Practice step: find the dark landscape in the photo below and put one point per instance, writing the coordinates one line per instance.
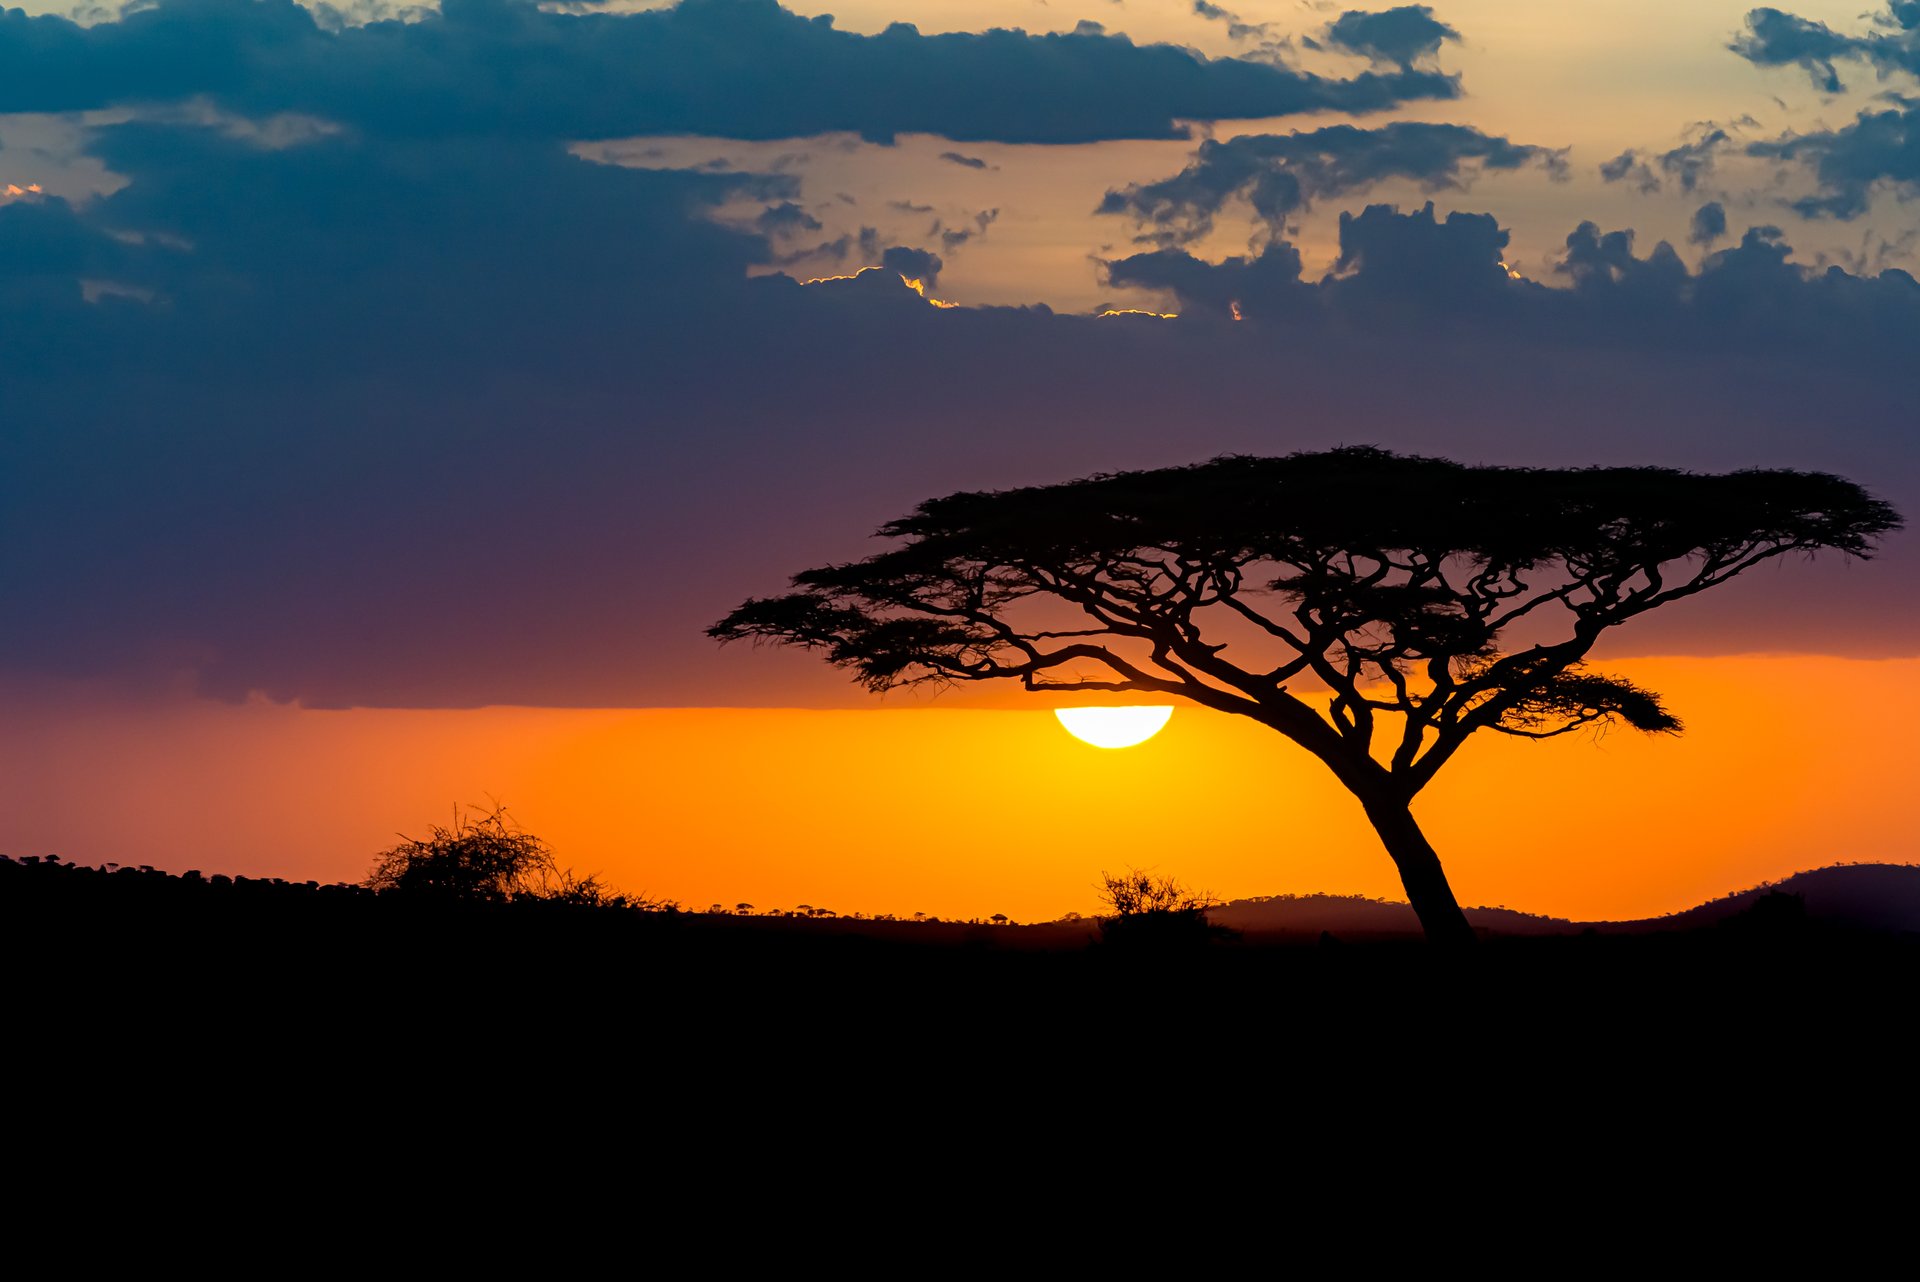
(1324, 1025)
(125, 930)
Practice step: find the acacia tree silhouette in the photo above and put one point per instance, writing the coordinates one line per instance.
(1387, 581)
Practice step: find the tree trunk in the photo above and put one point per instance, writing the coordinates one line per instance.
(1420, 872)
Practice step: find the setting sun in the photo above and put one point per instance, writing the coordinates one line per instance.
(1113, 727)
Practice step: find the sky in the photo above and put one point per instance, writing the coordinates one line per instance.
(413, 386)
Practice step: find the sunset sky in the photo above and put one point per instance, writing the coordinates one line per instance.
(391, 396)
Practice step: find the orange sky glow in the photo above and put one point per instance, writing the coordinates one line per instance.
(1786, 764)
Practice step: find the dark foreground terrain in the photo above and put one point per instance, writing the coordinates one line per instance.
(948, 1084)
(1819, 960)
(934, 1081)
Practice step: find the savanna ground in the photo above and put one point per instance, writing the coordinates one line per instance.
(751, 1083)
(237, 957)
(935, 1083)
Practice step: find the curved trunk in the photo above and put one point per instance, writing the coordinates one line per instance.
(1420, 872)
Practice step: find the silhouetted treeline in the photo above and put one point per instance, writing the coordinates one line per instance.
(118, 975)
(144, 917)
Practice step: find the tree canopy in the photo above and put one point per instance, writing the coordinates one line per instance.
(1375, 608)
(1395, 577)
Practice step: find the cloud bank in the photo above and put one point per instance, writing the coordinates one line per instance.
(1881, 147)
(1280, 176)
(729, 68)
(404, 408)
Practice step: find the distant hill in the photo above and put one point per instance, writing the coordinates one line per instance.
(1356, 917)
(1881, 897)
(1854, 896)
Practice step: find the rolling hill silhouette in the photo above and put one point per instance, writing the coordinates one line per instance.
(1879, 897)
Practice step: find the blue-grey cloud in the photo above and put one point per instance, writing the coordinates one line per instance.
(913, 264)
(1629, 166)
(952, 238)
(47, 252)
(1400, 36)
(1880, 148)
(786, 219)
(1708, 225)
(1282, 175)
(1417, 269)
(371, 416)
(733, 68)
(1686, 166)
(965, 162)
(1691, 162)
(1777, 39)
(1264, 284)
(384, 438)
(1238, 28)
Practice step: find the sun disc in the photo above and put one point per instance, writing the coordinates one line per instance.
(1113, 727)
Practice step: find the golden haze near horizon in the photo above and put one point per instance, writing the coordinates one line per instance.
(964, 812)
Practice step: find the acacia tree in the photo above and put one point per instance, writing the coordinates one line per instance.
(1374, 608)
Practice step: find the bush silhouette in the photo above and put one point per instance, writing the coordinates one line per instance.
(1155, 913)
(486, 858)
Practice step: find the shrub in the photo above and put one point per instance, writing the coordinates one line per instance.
(1156, 912)
(486, 857)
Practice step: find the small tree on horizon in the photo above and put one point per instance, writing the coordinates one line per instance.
(1135, 892)
(485, 856)
(1386, 584)
(1155, 911)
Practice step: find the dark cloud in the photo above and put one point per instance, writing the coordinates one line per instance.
(1238, 28)
(1262, 285)
(373, 417)
(1686, 165)
(1400, 36)
(965, 162)
(47, 252)
(731, 68)
(1282, 175)
(1708, 225)
(865, 245)
(385, 439)
(1412, 271)
(1459, 260)
(1777, 39)
(913, 264)
(952, 238)
(1628, 166)
(1692, 161)
(1879, 148)
(786, 219)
